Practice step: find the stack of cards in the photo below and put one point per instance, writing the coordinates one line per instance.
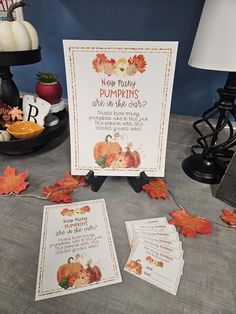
(156, 253)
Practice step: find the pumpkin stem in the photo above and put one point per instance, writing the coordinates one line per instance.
(128, 147)
(107, 138)
(69, 260)
(12, 7)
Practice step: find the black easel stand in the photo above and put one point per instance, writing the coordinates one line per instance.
(95, 182)
(138, 182)
(135, 182)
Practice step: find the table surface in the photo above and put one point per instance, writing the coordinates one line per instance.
(209, 277)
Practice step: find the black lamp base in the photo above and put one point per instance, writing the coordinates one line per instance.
(212, 152)
(205, 171)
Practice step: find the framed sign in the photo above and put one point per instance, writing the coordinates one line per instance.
(119, 96)
(4, 5)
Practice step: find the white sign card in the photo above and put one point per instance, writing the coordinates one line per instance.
(77, 252)
(4, 5)
(119, 96)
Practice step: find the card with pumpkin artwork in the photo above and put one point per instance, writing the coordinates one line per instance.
(155, 267)
(119, 96)
(77, 252)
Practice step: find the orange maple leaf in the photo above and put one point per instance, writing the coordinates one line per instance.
(190, 225)
(229, 216)
(12, 182)
(57, 193)
(16, 114)
(156, 189)
(72, 181)
(62, 189)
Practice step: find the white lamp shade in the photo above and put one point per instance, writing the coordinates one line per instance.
(214, 46)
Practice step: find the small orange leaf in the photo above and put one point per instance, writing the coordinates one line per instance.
(156, 189)
(16, 114)
(62, 189)
(12, 182)
(229, 216)
(57, 193)
(190, 225)
(72, 181)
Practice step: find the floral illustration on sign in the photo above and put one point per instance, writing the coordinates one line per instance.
(120, 67)
(157, 263)
(77, 211)
(135, 267)
(109, 154)
(76, 275)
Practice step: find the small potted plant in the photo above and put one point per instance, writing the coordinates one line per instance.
(48, 87)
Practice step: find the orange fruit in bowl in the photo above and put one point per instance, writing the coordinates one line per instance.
(25, 129)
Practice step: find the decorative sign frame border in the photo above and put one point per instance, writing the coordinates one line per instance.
(71, 48)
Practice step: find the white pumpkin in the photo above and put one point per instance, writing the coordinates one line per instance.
(4, 136)
(17, 35)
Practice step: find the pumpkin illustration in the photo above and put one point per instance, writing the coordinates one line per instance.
(72, 278)
(159, 264)
(17, 35)
(106, 147)
(82, 281)
(93, 273)
(68, 273)
(110, 158)
(135, 267)
(132, 158)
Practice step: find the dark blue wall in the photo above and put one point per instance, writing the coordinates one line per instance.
(194, 89)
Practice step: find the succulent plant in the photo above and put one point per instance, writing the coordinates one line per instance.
(47, 77)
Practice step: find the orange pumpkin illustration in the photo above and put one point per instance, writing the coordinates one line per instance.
(135, 267)
(94, 273)
(68, 273)
(159, 263)
(110, 159)
(132, 158)
(106, 147)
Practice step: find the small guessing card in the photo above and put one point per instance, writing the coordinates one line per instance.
(156, 253)
(155, 234)
(170, 251)
(167, 243)
(156, 268)
(130, 225)
(77, 252)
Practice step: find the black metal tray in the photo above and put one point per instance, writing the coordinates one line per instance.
(20, 147)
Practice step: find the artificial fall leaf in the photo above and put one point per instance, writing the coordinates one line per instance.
(72, 181)
(12, 182)
(190, 225)
(229, 216)
(16, 114)
(58, 194)
(156, 189)
(62, 189)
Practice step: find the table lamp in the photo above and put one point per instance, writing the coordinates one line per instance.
(214, 48)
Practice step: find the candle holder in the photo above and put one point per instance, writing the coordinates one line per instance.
(9, 91)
